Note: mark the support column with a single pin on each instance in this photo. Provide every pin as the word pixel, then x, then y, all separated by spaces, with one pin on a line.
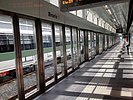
pixel 64 50
pixel 107 41
pixel 97 43
pixel 103 42
pixel 54 52
pixel 18 54
pixel 40 57
pixel 86 45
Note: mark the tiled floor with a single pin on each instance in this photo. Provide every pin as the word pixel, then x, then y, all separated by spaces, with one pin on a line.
pixel 107 77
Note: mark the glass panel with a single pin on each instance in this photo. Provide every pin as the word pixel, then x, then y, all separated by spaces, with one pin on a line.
pixel 89 16
pixel 109 41
pixel 94 42
pixel 105 41
pixel 29 54
pixel 73 12
pixel 80 13
pixel 89 44
pixel 75 48
pixel 48 52
pixel 100 43
pixel 68 48
pixel 8 85
pixel 95 19
pixel 93 47
pixel 81 41
pixel 59 50
pixel 55 2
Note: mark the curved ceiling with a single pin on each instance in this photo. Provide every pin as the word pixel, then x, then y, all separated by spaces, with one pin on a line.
pixel 118 17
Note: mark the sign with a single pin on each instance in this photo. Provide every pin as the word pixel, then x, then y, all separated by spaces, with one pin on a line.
pixel 52 15
pixel 69 5
pixel 120 30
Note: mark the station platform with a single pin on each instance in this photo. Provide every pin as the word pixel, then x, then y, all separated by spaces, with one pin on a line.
pixel 107 77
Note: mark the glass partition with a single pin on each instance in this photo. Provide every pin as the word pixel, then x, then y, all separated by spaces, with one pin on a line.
pixel 59 50
pixel 8 83
pixel 48 52
pixel 105 42
pixel 81 45
pixel 89 44
pixel 68 48
pixel 75 47
pixel 110 41
pixel 100 43
pixel 94 44
pixel 29 54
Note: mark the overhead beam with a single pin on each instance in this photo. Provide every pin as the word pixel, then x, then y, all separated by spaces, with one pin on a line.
pixel 130 15
pixel 70 5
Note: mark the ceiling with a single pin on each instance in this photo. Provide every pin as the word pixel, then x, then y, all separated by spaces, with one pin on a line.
pixel 118 17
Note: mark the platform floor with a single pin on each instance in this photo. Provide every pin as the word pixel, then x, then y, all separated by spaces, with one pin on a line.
pixel 107 77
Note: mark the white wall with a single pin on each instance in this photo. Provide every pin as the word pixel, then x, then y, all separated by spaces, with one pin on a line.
pixel 40 9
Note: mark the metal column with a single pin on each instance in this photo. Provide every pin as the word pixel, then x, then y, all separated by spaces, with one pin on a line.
pixel 103 42
pixel 107 41
pixel 18 54
pixel 86 45
pixel 40 57
pixel 97 43
pixel 54 52
pixel 64 50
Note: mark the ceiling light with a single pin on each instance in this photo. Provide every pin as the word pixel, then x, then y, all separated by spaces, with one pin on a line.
pixel 106 6
pixel 114 20
pixel 109 12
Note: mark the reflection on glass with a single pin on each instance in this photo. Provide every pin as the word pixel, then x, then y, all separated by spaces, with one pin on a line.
pixel 81 41
pixel 94 43
pixel 110 41
pixel 8 85
pixel 29 59
pixel 48 51
pixel 105 42
pixel 100 43
pixel 75 49
pixel 68 48
pixel 89 45
pixel 93 47
pixel 59 50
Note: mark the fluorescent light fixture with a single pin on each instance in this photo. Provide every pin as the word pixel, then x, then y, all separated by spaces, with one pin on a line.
pixel 109 12
pixel 106 6
pixel 114 20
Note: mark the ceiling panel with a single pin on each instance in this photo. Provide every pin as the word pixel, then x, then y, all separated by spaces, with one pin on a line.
pixel 119 13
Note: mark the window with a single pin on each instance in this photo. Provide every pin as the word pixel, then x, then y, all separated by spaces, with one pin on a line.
pixel 89 16
pixel 80 13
